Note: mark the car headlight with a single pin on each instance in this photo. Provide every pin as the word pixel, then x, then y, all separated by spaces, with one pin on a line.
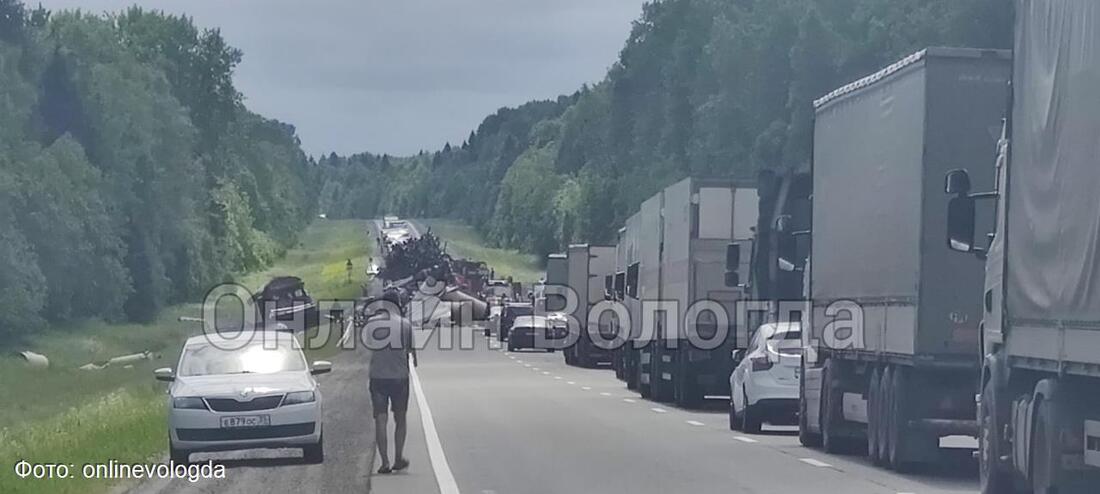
pixel 299 397
pixel 189 402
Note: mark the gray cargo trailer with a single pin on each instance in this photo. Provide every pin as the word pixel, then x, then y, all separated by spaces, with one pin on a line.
pixel 588 266
pixel 904 372
pixel 690 357
pixel 1039 412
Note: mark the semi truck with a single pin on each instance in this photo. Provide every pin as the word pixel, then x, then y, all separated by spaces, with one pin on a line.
pixel 890 364
pixel 681 237
pixel 587 268
pixel 1039 407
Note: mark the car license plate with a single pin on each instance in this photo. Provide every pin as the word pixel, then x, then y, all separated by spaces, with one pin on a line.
pixel 241 421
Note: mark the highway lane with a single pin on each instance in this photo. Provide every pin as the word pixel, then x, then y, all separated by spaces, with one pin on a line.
pixel 524 422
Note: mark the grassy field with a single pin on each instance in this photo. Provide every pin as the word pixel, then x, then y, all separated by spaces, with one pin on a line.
pixel 64 414
pixel 463 241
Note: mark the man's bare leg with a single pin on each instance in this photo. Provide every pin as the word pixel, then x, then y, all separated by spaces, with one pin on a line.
pixel 400 428
pixel 380 422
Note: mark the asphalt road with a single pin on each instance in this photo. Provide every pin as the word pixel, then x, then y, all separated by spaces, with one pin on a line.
pixel 523 422
pixel 486 421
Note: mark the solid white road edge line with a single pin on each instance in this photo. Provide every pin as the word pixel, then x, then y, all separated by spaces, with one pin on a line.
pixel 443 476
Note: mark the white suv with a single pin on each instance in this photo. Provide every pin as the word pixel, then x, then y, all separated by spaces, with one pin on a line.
pixel 764 385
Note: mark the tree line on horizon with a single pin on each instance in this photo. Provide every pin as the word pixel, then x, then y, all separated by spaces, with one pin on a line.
pixel 132 176
pixel 701 88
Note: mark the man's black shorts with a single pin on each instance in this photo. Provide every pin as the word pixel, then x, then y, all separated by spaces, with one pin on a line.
pixel 393 391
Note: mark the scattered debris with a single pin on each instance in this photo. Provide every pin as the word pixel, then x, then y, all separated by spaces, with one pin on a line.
pixel 35 360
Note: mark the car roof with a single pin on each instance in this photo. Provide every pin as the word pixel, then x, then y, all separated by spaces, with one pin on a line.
pixel 236 339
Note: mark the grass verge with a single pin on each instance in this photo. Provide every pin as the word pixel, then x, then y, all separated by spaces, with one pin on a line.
pixel 464 241
pixel 64 414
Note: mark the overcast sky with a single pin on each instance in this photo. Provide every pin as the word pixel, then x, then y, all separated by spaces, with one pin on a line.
pixel 397 76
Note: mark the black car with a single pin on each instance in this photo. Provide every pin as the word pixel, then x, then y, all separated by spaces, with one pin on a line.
pixel 283 302
pixel 508 317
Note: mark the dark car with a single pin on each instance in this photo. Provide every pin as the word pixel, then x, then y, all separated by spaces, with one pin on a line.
pixel 508 317
pixel 284 301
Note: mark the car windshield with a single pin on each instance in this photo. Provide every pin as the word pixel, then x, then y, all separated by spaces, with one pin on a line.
pixel 207 360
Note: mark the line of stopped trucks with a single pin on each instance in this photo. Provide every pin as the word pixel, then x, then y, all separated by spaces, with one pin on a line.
pixel 998 341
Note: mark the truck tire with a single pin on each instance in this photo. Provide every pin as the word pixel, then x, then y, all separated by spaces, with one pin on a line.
pixel 873 421
pixel 806 437
pixel 883 413
pixel 1045 458
pixel 994 477
pixel 685 389
pixel 897 421
pixel 832 395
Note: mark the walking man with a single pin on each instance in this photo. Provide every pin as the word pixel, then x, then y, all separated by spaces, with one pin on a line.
pixel 391 341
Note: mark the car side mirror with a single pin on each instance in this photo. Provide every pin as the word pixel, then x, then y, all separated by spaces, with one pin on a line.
pixel 960 224
pixel 321 367
pixel 164 374
pixel 786 266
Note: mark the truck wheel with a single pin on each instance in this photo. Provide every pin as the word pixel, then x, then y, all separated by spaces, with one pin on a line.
pixel 686 391
pixel 831 399
pixel 882 413
pixel 873 399
pixel 750 419
pixel 994 478
pixel 806 437
pixel 1045 457
pixel 897 420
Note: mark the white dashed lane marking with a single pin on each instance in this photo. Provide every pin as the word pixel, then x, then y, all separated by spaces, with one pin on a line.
pixel 628 400
pixel 659 410
pixel 814 462
pixel 695 423
pixel 745 439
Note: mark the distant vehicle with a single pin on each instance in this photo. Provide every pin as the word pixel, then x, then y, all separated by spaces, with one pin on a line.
pixel 284 300
pixel 494 317
pixel 764 385
pixel 498 288
pixel 525 330
pixel 390 221
pixel 260 395
pixel 585 268
pixel 508 316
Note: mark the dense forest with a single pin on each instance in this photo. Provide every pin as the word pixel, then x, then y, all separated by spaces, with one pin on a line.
pixel 702 87
pixel 131 174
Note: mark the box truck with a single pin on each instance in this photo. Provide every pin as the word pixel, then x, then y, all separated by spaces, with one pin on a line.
pixel 1039 410
pixel 682 353
pixel 890 363
pixel 587 269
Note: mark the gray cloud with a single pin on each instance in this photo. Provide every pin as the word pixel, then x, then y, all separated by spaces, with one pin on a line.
pixel 397 76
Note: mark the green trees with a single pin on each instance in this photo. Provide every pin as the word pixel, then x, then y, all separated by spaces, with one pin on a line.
pixel 131 175
pixel 701 87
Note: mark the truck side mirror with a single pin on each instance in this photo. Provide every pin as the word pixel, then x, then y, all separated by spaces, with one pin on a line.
pixel 733 279
pixel 957 182
pixel 960 223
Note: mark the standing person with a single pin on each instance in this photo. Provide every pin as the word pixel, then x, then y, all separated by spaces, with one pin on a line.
pixel 389 379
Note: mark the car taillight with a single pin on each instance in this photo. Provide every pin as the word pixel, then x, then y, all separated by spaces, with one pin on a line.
pixel 761 363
